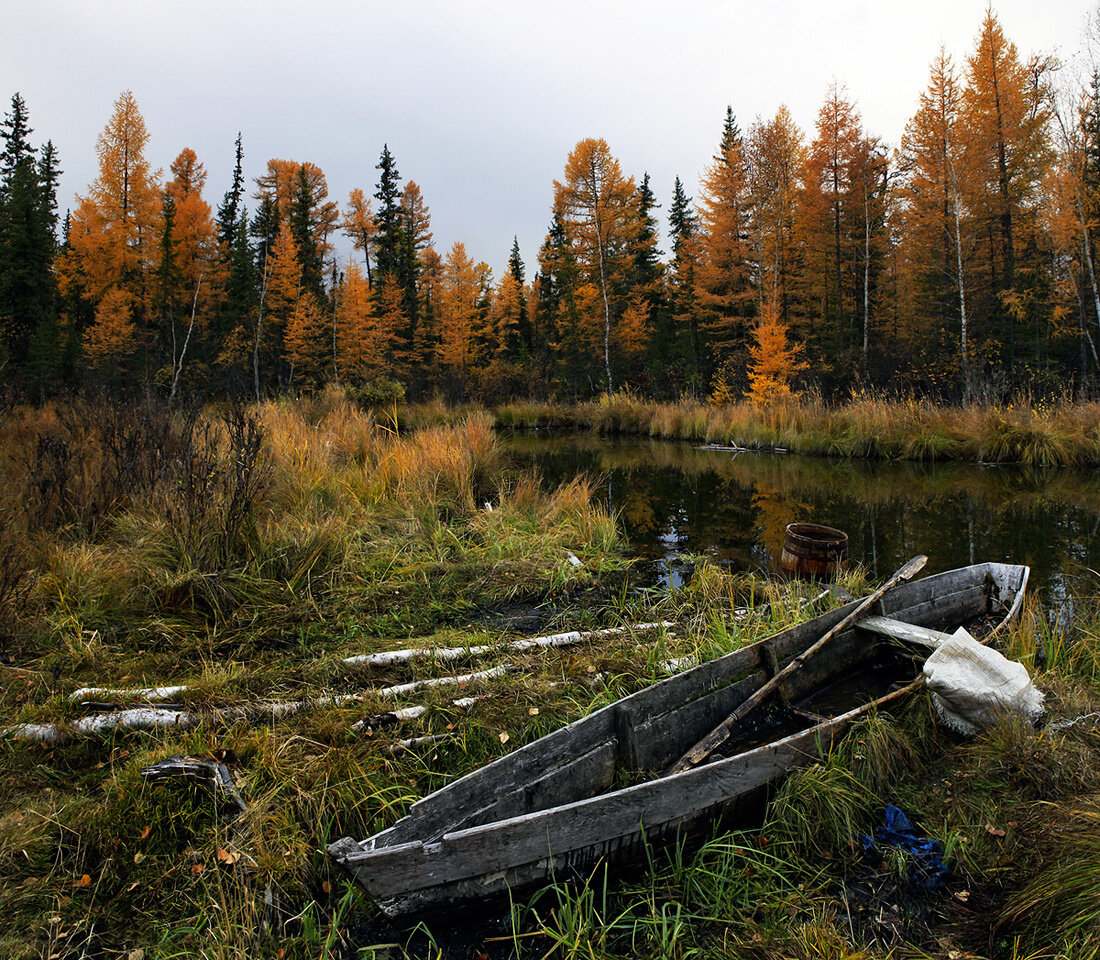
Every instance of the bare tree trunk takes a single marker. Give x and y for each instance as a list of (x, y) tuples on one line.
[(259, 328), (866, 275), (186, 340), (964, 355)]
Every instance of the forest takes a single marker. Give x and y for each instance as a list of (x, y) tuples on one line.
[(957, 264)]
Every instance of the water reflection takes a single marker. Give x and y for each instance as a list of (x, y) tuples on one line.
[(675, 499)]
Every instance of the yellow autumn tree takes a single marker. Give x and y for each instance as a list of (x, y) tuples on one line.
[(282, 287), (112, 337), (306, 342), (362, 345), (459, 314), (598, 207), (113, 232), (359, 225), (774, 360), (194, 271)]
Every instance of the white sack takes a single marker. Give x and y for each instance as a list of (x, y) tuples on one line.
[(972, 685)]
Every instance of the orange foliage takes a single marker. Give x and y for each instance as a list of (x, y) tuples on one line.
[(306, 343), (112, 335), (774, 359)]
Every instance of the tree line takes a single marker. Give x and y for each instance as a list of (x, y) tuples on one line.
[(958, 264)]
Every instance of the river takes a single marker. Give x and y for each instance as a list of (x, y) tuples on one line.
[(677, 500)]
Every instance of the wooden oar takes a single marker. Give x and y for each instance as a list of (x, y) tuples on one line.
[(705, 747)]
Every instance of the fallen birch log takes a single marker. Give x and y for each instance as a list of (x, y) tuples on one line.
[(391, 717), (403, 688), (137, 693), (571, 637), (399, 745), (151, 718)]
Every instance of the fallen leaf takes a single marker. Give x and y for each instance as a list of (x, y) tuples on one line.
[(133, 886), (138, 954), (327, 887), (138, 857), (533, 712), (962, 895), (280, 953), (127, 677), (591, 669), (1012, 824), (504, 738), (450, 726), (197, 868), (145, 831), (990, 829), (84, 881), (229, 857)]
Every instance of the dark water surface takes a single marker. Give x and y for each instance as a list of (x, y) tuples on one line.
[(674, 499)]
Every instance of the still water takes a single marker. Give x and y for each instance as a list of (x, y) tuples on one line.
[(675, 500)]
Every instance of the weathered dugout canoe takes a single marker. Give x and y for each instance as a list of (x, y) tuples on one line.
[(548, 811)]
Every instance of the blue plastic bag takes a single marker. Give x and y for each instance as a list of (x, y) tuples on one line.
[(928, 871)]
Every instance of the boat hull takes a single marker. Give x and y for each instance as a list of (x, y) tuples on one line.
[(550, 814)]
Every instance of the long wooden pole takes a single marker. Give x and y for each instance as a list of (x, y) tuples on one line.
[(705, 747)]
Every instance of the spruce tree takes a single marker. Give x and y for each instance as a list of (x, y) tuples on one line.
[(28, 245), (230, 208), (518, 270), (301, 220), (388, 218)]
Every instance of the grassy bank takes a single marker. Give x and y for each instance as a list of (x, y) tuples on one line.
[(244, 555), (1039, 435)]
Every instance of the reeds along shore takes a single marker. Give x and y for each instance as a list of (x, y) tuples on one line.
[(1058, 434)]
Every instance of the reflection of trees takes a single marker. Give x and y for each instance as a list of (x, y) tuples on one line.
[(775, 509), (737, 505), (997, 488), (637, 509)]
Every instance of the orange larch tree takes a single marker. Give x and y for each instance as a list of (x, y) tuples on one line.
[(306, 342), (113, 234), (827, 207), (1005, 114), (774, 155), (725, 269), (597, 206), (460, 319), (774, 360), (193, 246), (359, 225)]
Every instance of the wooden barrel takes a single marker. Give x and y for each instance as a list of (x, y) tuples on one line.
[(814, 551)]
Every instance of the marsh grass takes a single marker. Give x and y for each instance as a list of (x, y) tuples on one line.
[(866, 426), (369, 535)]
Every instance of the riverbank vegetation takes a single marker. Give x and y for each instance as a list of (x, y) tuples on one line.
[(241, 556), (1033, 433)]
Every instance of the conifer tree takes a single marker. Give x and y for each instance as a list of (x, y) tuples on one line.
[(683, 281), (28, 219), (113, 236), (229, 210), (726, 267)]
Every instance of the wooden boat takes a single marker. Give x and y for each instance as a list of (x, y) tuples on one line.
[(551, 809)]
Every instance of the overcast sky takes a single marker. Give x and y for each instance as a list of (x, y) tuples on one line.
[(480, 102)]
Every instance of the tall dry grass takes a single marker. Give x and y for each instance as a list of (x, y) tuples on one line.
[(867, 426)]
